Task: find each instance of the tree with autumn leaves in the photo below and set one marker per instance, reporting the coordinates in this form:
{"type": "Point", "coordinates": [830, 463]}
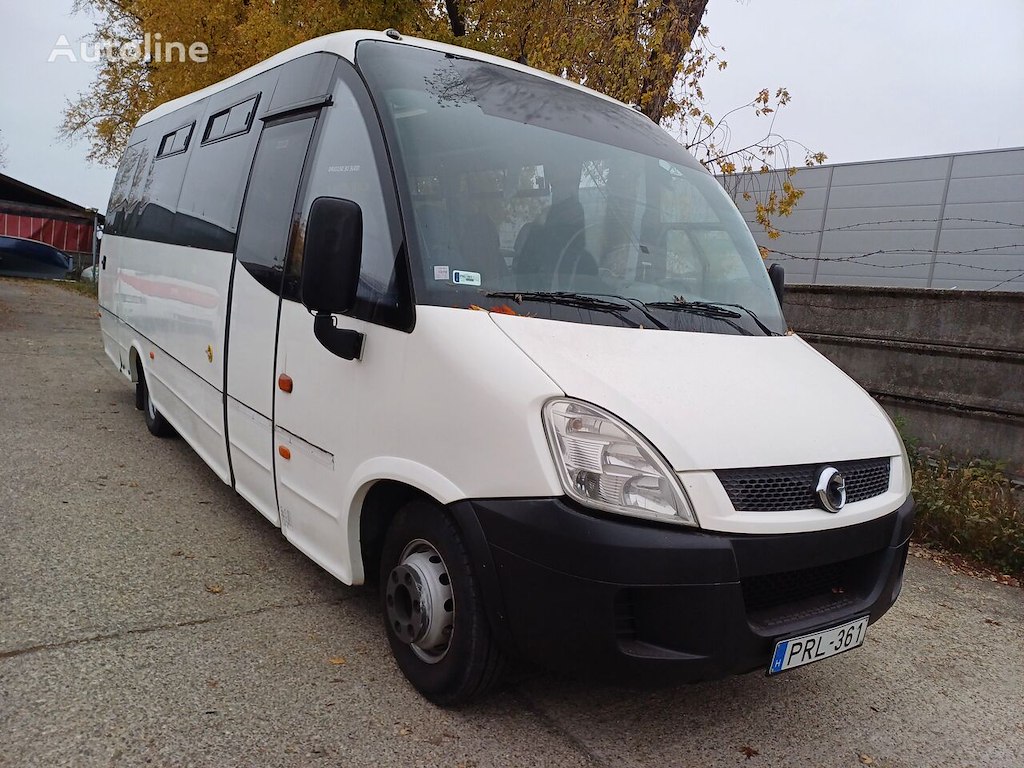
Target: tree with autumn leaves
{"type": "Point", "coordinates": [651, 54]}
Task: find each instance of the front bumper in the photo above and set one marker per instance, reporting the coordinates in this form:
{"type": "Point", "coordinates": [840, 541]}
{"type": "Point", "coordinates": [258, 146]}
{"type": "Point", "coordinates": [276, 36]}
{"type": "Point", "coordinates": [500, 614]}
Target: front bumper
{"type": "Point", "coordinates": [638, 604]}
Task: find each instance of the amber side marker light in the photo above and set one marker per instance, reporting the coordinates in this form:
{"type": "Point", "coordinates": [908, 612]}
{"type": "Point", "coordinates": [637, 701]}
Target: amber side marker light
{"type": "Point", "coordinates": [285, 383]}
{"type": "Point", "coordinates": [285, 452]}
{"type": "Point", "coordinates": [152, 356]}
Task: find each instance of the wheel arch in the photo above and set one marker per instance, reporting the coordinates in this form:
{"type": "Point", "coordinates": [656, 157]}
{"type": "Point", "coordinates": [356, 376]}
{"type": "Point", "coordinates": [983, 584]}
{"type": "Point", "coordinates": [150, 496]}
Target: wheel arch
{"type": "Point", "coordinates": [134, 362]}
{"type": "Point", "coordinates": [379, 487]}
{"type": "Point", "coordinates": [376, 505]}
{"type": "Point", "coordinates": [381, 500]}
{"type": "Point", "coordinates": [136, 372]}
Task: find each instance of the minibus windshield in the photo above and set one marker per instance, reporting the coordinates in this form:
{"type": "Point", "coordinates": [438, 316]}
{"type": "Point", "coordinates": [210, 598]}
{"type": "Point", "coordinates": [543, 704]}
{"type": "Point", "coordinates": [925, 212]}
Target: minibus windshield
{"type": "Point", "coordinates": [516, 186]}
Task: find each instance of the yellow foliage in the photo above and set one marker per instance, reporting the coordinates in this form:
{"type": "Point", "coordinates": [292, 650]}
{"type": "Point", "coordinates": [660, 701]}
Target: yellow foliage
{"type": "Point", "coordinates": [633, 51]}
{"type": "Point", "coordinates": [651, 54]}
{"type": "Point", "coordinates": [239, 34]}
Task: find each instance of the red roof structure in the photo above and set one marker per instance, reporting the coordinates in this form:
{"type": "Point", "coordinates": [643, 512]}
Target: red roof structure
{"type": "Point", "coordinates": [33, 214]}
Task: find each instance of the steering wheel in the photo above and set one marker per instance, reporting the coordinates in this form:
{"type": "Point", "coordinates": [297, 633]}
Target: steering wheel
{"type": "Point", "coordinates": [557, 273]}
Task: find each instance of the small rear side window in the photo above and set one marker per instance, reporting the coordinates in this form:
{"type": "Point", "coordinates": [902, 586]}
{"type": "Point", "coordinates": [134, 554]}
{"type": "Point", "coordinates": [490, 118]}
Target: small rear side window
{"type": "Point", "coordinates": [176, 142]}
{"type": "Point", "coordinates": [232, 121]}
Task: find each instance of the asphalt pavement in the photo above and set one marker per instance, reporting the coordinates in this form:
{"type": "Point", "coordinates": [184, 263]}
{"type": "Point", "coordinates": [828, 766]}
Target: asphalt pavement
{"type": "Point", "coordinates": [148, 616]}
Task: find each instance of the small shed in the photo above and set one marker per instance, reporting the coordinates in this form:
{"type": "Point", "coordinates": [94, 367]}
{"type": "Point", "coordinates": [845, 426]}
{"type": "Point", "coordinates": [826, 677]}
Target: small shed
{"type": "Point", "coordinates": [33, 214]}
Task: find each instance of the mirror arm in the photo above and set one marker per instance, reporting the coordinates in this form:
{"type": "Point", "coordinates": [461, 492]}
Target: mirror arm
{"type": "Point", "coordinates": [342, 342]}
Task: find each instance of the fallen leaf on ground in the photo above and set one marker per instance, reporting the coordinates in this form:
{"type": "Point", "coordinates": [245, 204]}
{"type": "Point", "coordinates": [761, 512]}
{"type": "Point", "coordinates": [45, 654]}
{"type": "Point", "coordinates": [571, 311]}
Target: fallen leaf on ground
{"type": "Point", "coordinates": [964, 565]}
{"type": "Point", "coordinates": [866, 759]}
{"type": "Point", "coordinates": [337, 661]}
{"type": "Point", "coordinates": [214, 589]}
{"type": "Point", "coordinates": [749, 751]}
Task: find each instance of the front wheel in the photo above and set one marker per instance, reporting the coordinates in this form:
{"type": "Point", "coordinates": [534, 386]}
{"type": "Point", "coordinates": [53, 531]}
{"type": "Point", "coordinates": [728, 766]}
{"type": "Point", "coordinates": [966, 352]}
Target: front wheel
{"type": "Point", "coordinates": [433, 612]}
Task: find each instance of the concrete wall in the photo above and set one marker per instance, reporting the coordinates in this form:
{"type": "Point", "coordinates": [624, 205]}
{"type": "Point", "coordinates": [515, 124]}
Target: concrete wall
{"type": "Point", "coordinates": [948, 221]}
{"type": "Point", "coordinates": [950, 362]}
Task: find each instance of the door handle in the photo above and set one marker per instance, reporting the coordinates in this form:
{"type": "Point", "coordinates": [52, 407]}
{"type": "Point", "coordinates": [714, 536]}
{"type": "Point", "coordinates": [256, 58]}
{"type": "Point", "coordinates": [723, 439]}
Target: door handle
{"type": "Point", "coordinates": [103, 263]}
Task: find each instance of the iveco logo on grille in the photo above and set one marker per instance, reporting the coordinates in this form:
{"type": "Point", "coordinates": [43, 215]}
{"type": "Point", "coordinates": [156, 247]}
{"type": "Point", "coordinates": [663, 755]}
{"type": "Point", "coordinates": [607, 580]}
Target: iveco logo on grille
{"type": "Point", "coordinates": [831, 489]}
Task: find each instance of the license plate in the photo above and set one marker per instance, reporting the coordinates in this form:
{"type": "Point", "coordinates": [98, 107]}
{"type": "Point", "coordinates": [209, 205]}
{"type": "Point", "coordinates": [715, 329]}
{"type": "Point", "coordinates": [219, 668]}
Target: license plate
{"type": "Point", "coordinates": [817, 646]}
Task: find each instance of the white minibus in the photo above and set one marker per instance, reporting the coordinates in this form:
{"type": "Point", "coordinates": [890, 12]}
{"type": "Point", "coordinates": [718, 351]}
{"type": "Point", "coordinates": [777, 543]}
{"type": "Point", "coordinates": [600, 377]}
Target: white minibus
{"type": "Point", "coordinates": [500, 345]}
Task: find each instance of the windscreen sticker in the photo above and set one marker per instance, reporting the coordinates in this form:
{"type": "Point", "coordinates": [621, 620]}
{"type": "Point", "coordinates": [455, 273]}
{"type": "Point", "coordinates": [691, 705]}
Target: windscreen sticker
{"type": "Point", "coordinates": [441, 273]}
{"type": "Point", "coordinates": [461, 277]}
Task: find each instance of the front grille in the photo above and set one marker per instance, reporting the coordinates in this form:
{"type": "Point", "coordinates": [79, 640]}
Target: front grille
{"type": "Point", "coordinates": [777, 489]}
{"type": "Point", "coordinates": [779, 598]}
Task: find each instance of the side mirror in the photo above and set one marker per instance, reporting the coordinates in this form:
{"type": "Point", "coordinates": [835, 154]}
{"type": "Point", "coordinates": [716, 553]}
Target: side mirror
{"type": "Point", "coordinates": [331, 255]}
{"type": "Point", "coordinates": [331, 259]}
{"type": "Point", "coordinates": [778, 277]}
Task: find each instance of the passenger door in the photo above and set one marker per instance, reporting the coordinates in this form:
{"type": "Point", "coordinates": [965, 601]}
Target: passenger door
{"type": "Point", "coordinates": [329, 424]}
{"type": "Point", "coordinates": [263, 238]}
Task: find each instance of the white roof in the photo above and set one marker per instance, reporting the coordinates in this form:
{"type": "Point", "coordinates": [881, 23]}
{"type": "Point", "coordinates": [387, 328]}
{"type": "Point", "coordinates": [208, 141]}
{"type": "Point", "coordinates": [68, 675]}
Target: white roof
{"type": "Point", "coordinates": [344, 45]}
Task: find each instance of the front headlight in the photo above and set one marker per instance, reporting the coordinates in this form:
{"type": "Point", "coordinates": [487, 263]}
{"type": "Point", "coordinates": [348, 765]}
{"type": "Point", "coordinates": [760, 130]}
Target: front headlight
{"type": "Point", "coordinates": [605, 464]}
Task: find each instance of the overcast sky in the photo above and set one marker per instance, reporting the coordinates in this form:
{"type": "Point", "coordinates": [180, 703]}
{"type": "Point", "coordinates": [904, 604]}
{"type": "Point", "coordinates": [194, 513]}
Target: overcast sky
{"type": "Point", "coordinates": [870, 79]}
{"type": "Point", "coordinates": [876, 79]}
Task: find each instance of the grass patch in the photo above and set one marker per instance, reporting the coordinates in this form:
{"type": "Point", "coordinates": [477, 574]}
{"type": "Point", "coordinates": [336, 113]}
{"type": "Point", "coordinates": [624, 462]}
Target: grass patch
{"type": "Point", "coordinates": [83, 287]}
{"type": "Point", "coordinates": [969, 508]}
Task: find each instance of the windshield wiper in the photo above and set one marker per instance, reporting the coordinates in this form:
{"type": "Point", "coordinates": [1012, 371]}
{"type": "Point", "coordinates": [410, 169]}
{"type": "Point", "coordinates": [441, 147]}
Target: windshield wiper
{"type": "Point", "coordinates": [696, 307]}
{"type": "Point", "coordinates": [757, 321]}
{"type": "Point", "coordinates": [719, 309]}
{"type": "Point", "coordinates": [569, 299]}
{"type": "Point", "coordinates": [703, 309]}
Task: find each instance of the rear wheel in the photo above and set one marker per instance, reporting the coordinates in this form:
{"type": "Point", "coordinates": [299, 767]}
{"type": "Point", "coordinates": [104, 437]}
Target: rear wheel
{"type": "Point", "coordinates": [433, 612]}
{"type": "Point", "coordinates": [155, 421]}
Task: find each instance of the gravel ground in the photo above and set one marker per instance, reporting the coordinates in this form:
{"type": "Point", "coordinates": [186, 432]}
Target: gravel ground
{"type": "Point", "coordinates": [149, 616]}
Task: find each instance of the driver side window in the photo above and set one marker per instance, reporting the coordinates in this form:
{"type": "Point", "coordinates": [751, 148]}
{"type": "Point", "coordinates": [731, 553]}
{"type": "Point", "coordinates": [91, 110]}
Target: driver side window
{"type": "Point", "coordinates": [350, 162]}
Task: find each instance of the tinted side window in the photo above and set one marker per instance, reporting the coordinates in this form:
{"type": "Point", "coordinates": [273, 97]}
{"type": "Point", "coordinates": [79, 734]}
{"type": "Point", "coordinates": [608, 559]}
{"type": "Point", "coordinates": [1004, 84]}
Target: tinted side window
{"type": "Point", "coordinates": [231, 122]}
{"type": "Point", "coordinates": [350, 162]}
{"type": "Point", "coordinates": [176, 142]}
{"type": "Point", "coordinates": [121, 190]}
{"type": "Point", "coordinates": [266, 225]}
{"type": "Point", "coordinates": [211, 197]}
{"type": "Point", "coordinates": [157, 185]}
{"type": "Point", "coordinates": [137, 188]}
{"type": "Point", "coordinates": [303, 82]}
{"type": "Point", "coordinates": [192, 195]}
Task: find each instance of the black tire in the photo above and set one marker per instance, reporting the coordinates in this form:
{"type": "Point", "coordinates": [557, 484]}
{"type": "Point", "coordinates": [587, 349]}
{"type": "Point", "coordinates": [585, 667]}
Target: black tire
{"type": "Point", "coordinates": [466, 662]}
{"type": "Point", "coordinates": [155, 422]}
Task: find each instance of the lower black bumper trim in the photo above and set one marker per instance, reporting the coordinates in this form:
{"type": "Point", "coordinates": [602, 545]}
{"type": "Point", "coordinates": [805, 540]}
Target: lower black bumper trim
{"type": "Point", "coordinates": [636, 604]}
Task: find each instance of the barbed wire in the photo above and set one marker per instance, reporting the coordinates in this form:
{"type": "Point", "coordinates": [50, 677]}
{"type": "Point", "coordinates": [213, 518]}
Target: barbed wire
{"type": "Point", "coordinates": [855, 257]}
{"type": "Point", "coordinates": [899, 221]}
{"type": "Point", "coordinates": [1004, 282]}
{"type": "Point", "coordinates": [859, 258]}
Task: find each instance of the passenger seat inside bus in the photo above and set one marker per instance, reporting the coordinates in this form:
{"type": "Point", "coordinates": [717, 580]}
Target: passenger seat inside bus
{"type": "Point", "coordinates": [559, 243]}
{"type": "Point", "coordinates": [473, 246]}
{"type": "Point", "coordinates": [480, 249]}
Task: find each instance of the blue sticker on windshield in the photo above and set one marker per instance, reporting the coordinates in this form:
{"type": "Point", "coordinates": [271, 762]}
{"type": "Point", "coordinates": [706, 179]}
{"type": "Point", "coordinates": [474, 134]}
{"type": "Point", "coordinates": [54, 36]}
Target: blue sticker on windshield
{"type": "Point", "coordinates": [461, 277]}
